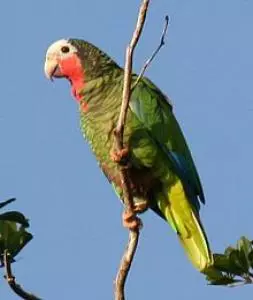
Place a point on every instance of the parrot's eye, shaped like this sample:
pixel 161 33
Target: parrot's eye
pixel 65 49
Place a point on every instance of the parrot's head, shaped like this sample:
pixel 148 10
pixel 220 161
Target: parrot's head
pixel 78 61
pixel 62 60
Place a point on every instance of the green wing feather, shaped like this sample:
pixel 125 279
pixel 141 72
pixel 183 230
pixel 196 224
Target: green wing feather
pixel 152 108
pixel 162 144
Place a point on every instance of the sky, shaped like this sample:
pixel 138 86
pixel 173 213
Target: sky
pixel 206 70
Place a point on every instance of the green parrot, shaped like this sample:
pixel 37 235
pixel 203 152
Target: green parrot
pixel 162 173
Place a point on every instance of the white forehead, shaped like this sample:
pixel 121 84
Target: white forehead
pixel 56 46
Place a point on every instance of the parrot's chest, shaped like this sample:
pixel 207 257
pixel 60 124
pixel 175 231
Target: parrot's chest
pixel 98 123
pixel 98 131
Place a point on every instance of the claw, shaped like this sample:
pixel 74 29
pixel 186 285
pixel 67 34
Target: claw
pixel 121 156
pixel 140 207
pixel 131 221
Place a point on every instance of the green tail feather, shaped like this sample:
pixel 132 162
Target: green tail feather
pixel 185 221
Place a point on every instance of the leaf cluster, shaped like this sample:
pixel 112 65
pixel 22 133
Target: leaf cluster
pixel 13 232
pixel 234 267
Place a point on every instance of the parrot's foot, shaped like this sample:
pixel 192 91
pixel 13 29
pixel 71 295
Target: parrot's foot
pixel 120 157
pixel 131 221
pixel 140 207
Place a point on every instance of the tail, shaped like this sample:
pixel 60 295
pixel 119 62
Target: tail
pixel 184 219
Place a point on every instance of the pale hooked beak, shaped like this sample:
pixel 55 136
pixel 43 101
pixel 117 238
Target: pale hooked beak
pixel 52 69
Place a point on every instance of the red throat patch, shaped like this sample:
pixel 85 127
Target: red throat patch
pixel 72 68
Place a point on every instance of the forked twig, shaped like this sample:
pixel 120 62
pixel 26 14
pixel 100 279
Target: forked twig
pixel 149 61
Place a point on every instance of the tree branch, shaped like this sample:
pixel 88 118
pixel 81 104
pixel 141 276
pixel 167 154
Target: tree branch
pixel 125 264
pixel 128 256
pixel 12 282
pixel 149 61
pixel 119 132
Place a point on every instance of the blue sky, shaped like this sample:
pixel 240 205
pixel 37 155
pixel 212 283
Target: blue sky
pixel 205 68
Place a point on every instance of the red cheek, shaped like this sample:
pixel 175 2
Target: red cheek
pixel 71 68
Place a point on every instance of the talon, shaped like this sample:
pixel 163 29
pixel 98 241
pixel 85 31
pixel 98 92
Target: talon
pixel 131 221
pixel 121 156
pixel 140 207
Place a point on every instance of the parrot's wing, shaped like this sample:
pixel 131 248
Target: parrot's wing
pixel 155 113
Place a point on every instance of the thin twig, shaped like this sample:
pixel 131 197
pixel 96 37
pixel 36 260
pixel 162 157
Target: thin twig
pixel 239 283
pixel 128 256
pixel 119 132
pixel 125 264
pixel 7 202
pixel 12 282
pixel 148 62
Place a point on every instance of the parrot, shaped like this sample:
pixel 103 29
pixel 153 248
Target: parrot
pixel 161 170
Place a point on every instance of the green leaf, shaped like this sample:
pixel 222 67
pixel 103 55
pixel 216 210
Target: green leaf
pixel 222 263
pixel 13 235
pixel 22 240
pixel 212 274
pixel 2 204
pixel 250 258
pixel 236 266
pixel 225 280
pixel 228 250
pixel 244 246
pixel 15 216
pixel 13 238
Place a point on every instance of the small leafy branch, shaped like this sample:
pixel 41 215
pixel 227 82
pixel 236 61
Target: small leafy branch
pixel 13 238
pixel 234 267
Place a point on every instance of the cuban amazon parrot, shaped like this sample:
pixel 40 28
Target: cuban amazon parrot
pixel 161 170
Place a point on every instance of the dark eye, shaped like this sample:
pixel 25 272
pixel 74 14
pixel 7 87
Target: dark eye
pixel 65 49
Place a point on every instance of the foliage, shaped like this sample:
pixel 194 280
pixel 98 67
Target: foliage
pixel 234 267
pixel 13 234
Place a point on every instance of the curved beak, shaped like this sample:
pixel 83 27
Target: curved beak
pixel 51 68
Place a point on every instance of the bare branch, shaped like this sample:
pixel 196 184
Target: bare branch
pixel 148 62
pixel 119 146
pixel 125 264
pixel 119 132
pixel 12 282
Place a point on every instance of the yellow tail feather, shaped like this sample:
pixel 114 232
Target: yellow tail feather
pixel 181 215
